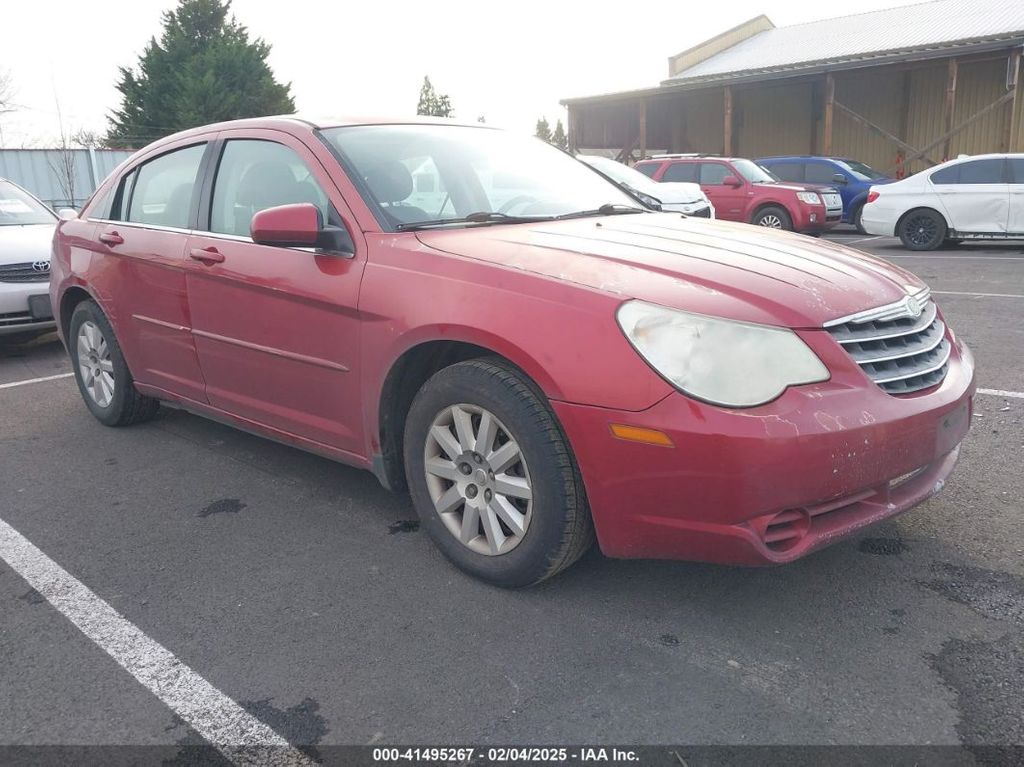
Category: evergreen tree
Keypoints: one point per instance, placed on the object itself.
(203, 69)
(433, 104)
(558, 138)
(543, 129)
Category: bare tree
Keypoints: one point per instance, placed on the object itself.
(88, 139)
(62, 162)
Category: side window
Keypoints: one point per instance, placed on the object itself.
(818, 173)
(714, 173)
(982, 172)
(648, 168)
(1016, 170)
(163, 188)
(681, 171)
(254, 175)
(974, 172)
(787, 171)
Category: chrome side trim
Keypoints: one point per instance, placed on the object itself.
(317, 361)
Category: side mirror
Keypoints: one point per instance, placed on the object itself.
(299, 226)
(732, 181)
(839, 178)
(67, 214)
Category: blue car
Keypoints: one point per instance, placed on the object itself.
(853, 179)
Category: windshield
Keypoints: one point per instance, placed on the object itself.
(754, 173)
(18, 208)
(418, 175)
(860, 170)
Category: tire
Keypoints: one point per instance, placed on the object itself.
(855, 219)
(103, 378)
(554, 523)
(773, 217)
(922, 229)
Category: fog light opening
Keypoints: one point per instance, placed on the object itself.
(786, 529)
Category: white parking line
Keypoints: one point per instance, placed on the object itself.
(956, 258)
(1001, 393)
(35, 380)
(976, 295)
(240, 737)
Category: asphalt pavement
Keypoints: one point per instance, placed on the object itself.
(303, 592)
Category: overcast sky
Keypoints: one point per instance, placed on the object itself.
(508, 61)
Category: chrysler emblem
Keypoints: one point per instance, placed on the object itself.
(40, 266)
(913, 307)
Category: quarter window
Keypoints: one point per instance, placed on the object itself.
(680, 171)
(254, 175)
(162, 191)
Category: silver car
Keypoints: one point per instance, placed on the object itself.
(26, 235)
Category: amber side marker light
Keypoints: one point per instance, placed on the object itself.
(640, 434)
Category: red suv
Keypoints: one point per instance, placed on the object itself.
(478, 317)
(742, 190)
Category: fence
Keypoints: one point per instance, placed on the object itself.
(60, 178)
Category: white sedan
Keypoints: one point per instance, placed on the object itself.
(677, 196)
(979, 197)
(26, 235)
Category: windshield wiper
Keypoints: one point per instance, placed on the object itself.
(608, 209)
(479, 217)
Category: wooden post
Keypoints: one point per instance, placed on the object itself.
(830, 102)
(643, 128)
(815, 106)
(950, 105)
(1012, 85)
(727, 126)
(571, 126)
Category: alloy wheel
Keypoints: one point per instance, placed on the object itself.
(921, 230)
(478, 479)
(94, 364)
(771, 221)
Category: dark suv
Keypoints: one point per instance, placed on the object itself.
(743, 191)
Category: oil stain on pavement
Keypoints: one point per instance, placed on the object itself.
(223, 506)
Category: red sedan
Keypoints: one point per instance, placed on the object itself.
(481, 319)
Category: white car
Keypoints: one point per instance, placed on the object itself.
(26, 236)
(979, 197)
(677, 197)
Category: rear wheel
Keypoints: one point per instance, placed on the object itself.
(492, 477)
(103, 377)
(922, 229)
(773, 217)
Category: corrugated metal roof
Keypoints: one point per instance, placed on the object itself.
(938, 24)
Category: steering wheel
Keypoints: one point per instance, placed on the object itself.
(517, 200)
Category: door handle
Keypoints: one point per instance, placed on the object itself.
(206, 255)
(111, 238)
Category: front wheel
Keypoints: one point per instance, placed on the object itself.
(103, 377)
(922, 230)
(773, 217)
(492, 477)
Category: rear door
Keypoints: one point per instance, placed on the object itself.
(276, 329)
(975, 195)
(142, 281)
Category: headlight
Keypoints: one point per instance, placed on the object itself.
(735, 364)
(809, 197)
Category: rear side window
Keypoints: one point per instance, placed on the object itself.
(988, 171)
(787, 171)
(648, 168)
(1016, 170)
(713, 173)
(817, 173)
(254, 175)
(161, 192)
(681, 171)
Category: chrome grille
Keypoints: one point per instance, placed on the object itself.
(26, 272)
(898, 351)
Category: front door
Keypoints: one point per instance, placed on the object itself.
(975, 195)
(276, 328)
(1016, 219)
(730, 201)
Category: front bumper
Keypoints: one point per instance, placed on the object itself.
(815, 218)
(769, 484)
(22, 309)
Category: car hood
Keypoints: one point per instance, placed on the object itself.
(22, 244)
(677, 192)
(718, 268)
